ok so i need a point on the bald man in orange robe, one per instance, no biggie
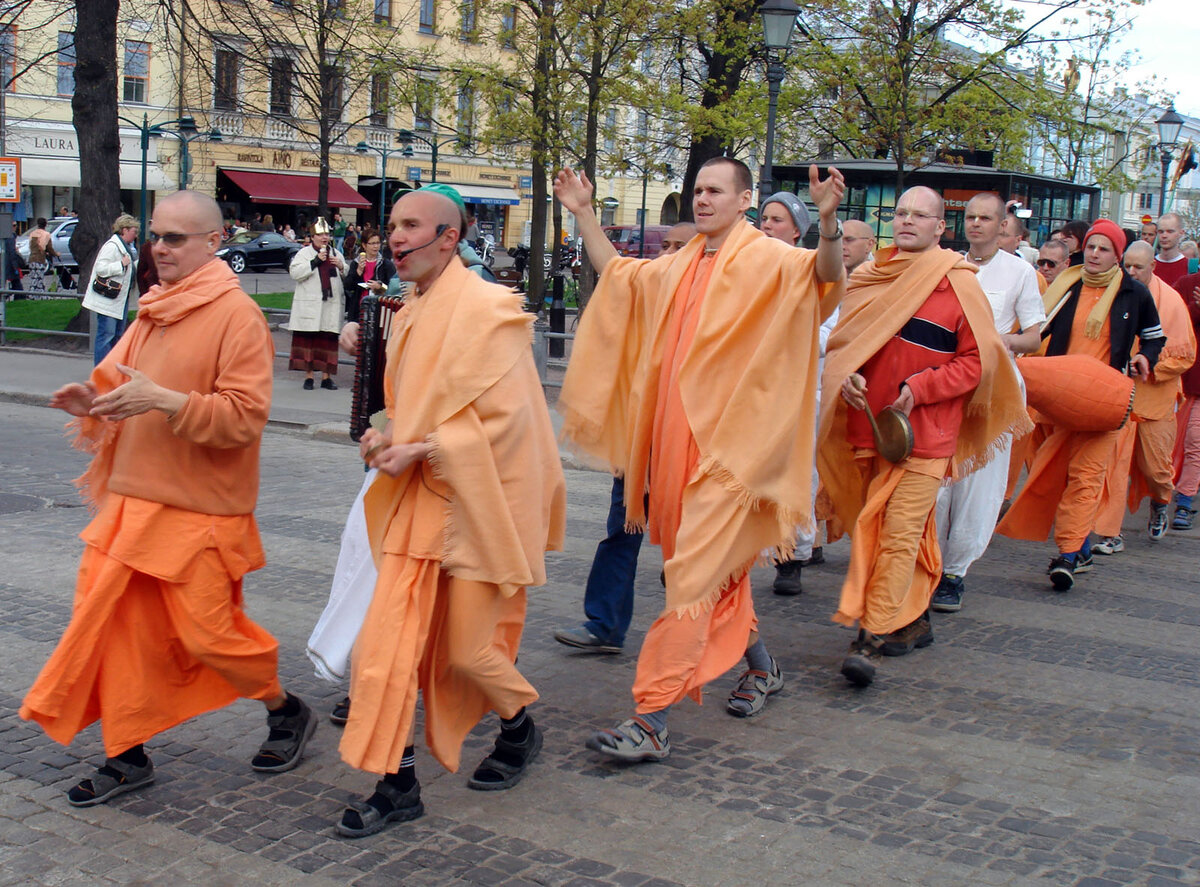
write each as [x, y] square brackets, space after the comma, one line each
[469, 497]
[173, 417]
[694, 376]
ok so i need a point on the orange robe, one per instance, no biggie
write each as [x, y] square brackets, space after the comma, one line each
[895, 562]
[706, 394]
[457, 538]
[157, 633]
[1149, 442]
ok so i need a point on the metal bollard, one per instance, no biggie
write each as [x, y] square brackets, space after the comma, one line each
[558, 318]
[540, 327]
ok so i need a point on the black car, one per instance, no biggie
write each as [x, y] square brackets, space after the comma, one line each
[252, 250]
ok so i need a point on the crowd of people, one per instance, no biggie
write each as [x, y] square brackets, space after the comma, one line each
[750, 397]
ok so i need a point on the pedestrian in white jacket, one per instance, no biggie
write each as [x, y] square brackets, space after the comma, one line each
[112, 290]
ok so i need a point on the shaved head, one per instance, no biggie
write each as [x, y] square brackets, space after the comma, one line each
[675, 239]
[991, 200]
[928, 198]
[200, 208]
[1141, 249]
[1171, 219]
[1139, 261]
[858, 242]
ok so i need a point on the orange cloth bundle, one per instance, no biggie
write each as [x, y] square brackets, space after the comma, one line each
[1077, 391]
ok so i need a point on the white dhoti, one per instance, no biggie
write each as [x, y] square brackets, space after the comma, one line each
[353, 585]
[967, 512]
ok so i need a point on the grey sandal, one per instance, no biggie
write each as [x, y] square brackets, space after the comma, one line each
[633, 740]
[754, 686]
[285, 743]
[104, 785]
[406, 806]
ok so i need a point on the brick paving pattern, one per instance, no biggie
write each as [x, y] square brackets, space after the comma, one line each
[1043, 739]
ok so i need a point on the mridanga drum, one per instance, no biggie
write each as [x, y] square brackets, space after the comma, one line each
[1077, 392]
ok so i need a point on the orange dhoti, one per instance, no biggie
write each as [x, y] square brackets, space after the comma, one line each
[895, 562]
[1063, 489]
[157, 633]
[1147, 445]
[456, 638]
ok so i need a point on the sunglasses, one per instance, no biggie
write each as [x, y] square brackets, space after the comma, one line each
[175, 240]
[1047, 263]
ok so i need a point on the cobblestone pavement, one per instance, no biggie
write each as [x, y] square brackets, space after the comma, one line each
[1044, 739]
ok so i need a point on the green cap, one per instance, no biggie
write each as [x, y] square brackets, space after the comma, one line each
[447, 192]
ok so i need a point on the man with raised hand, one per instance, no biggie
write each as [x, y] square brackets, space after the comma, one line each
[470, 496]
[916, 334]
[173, 416]
[695, 378]
[968, 508]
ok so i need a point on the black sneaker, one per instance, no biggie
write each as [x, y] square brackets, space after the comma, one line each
[1062, 573]
[787, 579]
[915, 635]
[947, 597]
[859, 667]
[1158, 520]
[817, 557]
[329, 385]
[1083, 563]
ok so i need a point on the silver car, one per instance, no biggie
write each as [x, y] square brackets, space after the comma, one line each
[60, 230]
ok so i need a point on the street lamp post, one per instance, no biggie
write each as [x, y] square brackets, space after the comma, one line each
[406, 137]
[779, 21]
[384, 153]
[186, 131]
[1169, 126]
[645, 171]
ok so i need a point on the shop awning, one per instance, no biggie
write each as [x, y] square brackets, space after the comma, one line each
[293, 189]
[485, 194]
[65, 174]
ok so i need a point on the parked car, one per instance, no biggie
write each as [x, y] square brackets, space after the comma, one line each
[253, 250]
[627, 239]
[61, 229]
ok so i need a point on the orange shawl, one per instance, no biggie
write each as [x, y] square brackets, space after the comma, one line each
[882, 296]
[1156, 399]
[461, 369]
[201, 335]
[748, 380]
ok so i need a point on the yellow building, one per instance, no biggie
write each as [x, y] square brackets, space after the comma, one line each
[234, 94]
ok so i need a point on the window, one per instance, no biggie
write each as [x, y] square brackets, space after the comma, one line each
[427, 20]
[379, 100]
[333, 81]
[508, 27]
[66, 63]
[423, 105]
[610, 130]
[466, 117]
[225, 81]
[1145, 200]
[8, 56]
[643, 125]
[137, 71]
[281, 86]
[468, 19]
[383, 12]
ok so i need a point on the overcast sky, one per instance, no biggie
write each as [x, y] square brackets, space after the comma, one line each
[1166, 34]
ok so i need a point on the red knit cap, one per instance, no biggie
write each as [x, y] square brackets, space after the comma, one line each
[1109, 230]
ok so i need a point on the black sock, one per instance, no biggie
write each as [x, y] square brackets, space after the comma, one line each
[290, 707]
[516, 728]
[135, 755]
[406, 777]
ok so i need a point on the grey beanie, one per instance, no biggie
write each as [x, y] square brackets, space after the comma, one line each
[795, 207]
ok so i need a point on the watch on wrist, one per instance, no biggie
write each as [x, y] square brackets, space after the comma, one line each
[836, 235]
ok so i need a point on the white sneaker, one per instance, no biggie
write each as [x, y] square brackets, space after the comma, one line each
[1109, 545]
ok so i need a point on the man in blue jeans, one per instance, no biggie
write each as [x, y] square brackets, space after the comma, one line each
[608, 598]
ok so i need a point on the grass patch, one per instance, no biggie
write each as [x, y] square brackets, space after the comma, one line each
[39, 314]
[274, 300]
[55, 314]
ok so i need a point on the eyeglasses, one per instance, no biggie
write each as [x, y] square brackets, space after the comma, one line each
[914, 214]
[174, 240]
[1047, 263]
